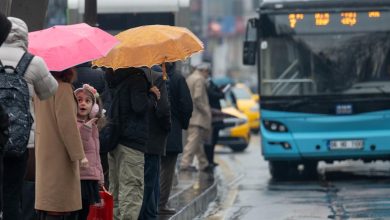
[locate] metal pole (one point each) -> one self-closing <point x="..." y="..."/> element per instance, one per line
<point x="90" y="13"/>
<point x="31" y="12"/>
<point x="5" y="7"/>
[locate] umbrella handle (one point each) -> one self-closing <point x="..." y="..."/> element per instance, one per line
<point x="164" y="69"/>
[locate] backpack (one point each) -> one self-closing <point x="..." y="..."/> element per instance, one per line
<point x="109" y="134"/>
<point x="15" y="99"/>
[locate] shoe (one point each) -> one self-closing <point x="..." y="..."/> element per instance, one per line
<point x="189" y="169"/>
<point x="214" y="164"/>
<point x="208" y="169"/>
<point x="166" y="211"/>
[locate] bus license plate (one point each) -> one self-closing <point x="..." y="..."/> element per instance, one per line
<point x="346" y="144"/>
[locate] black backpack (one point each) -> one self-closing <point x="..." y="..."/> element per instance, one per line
<point x="4" y="123"/>
<point x="15" y="99"/>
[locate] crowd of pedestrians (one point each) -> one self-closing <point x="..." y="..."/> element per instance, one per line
<point x="64" y="160"/>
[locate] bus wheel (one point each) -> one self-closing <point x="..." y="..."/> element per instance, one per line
<point x="283" y="170"/>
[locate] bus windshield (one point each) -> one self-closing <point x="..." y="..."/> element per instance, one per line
<point x="325" y="53"/>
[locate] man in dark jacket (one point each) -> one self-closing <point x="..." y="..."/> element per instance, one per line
<point x="5" y="28"/>
<point x="126" y="161"/>
<point x="181" y="110"/>
<point x="159" y="127"/>
<point x="214" y="94"/>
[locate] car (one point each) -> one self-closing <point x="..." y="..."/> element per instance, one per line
<point x="235" y="133"/>
<point x="247" y="103"/>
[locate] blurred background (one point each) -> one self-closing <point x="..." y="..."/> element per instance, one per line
<point x="220" y="24"/>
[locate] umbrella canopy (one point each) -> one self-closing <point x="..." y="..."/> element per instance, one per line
<point x="65" y="46"/>
<point x="150" y="45"/>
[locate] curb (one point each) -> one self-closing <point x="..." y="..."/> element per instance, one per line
<point x="201" y="196"/>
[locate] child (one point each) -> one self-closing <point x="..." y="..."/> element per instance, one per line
<point x="88" y="113"/>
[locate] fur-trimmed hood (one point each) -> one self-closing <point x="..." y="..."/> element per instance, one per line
<point x="18" y="36"/>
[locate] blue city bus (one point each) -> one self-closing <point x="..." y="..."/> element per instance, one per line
<point x="324" y="81"/>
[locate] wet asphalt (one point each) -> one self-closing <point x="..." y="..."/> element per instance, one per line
<point x="343" y="190"/>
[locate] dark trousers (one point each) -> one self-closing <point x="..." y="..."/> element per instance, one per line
<point x="83" y="213"/>
<point x="168" y="164"/>
<point x="152" y="187"/>
<point x="1" y="186"/>
<point x="104" y="161"/>
<point x="28" y="201"/>
<point x="14" y="171"/>
<point x="209" y="148"/>
<point x="28" y="197"/>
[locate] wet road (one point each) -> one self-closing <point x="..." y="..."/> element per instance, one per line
<point x="344" y="190"/>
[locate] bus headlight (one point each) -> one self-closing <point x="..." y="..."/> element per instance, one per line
<point x="275" y="126"/>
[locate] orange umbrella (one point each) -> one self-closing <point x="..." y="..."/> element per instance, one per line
<point x="151" y="45"/>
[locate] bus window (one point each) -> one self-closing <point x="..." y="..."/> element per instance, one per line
<point x="326" y="59"/>
<point x="282" y="69"/>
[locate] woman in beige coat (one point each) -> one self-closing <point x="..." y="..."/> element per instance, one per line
<point x="59" y="152"/>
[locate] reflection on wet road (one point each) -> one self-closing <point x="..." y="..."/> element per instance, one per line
<point x="344" y="190"/>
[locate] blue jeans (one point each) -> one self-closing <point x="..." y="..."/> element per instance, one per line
<point x="152" y="188"/>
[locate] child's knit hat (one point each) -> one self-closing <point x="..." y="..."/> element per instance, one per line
<point x="90" y="89"/>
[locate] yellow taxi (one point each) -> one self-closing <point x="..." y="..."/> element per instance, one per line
<point x="247" y="103"/>
<point x="236" y="131"/>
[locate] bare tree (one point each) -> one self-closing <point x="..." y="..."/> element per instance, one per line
<point x="90" y="13"/>
<point x="5" y="7"/>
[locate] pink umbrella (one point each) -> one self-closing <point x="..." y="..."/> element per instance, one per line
<point x="65" y="46"/>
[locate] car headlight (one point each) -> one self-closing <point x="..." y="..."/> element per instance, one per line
<point x="232" y="122"/>
<point x="275" y="126"/>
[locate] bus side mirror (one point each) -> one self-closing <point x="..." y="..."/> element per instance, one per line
<point x="249" y="53"/>
<point x="250" y="43"/>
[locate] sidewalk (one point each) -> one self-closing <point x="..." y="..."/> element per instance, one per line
<point x="192" y="195"/>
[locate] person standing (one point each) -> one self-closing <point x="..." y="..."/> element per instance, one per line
<point x="5" y="28"/>
<point x="39" y="82"/>
<point x="159" y="126"/>
<point x="200" y="123"/>
<point x="95" y="77"/>
<point x="215" y="95"/>
<point x="88" y="113"/>
<point x="126" y="161"/>
<point x="181" y="109"/>
<point x="59" y="153"/>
